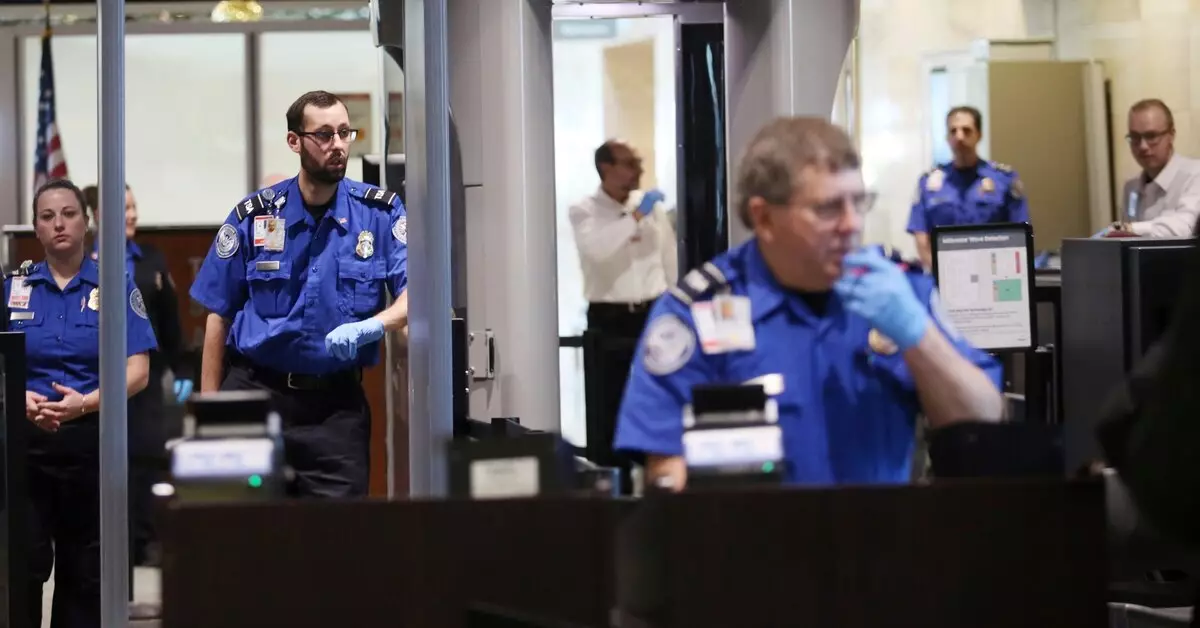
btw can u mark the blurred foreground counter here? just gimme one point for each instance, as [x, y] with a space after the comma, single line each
[953, 554]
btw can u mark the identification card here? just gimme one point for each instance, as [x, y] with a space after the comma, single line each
[274, 241]
[260, 230]
[18, 296]
[724, 324]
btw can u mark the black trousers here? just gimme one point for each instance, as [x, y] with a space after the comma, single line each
[147, 463]
[64, 495]
[617, 328]
[326, 429]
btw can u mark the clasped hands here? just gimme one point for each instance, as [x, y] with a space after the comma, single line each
[49, 415]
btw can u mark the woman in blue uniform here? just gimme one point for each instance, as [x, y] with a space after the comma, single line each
[56, 304]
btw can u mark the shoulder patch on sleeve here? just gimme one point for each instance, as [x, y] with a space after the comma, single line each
[1002, 167]
[227, 241]
[137, 304]
[378, 197]
[252, 205]
[668, 345]
[400, 230]
[1016, 188]
[699, 282]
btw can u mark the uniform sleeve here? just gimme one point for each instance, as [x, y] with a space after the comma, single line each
[220, 286]
[666, 365]
[916, 217]
[1016, 203]
[397, 250]
[139, 333]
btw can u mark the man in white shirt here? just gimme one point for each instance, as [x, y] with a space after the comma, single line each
[1164, 200]
[627, 251]
[626, 244]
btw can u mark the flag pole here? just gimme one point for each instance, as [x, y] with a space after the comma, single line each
[114, 462]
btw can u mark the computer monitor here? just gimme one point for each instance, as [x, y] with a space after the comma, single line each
[984, 275]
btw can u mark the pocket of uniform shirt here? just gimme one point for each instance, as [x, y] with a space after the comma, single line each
[359, 286]
[268, 284]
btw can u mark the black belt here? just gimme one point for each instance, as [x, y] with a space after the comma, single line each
[622, 308]
[296, 381]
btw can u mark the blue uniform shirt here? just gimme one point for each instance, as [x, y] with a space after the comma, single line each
[286, 279]
[988, 193]
[132, 254]
[847, 407]
[62, 327]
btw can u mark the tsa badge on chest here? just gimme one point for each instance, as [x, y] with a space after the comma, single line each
[934, 181]
[366, 245]
[94, 300]
[986, 186]
[880, 343]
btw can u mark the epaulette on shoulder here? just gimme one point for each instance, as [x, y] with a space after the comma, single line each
[1005, 168]
[23, 270]
[255, 203]
[698, 283]
[384, 199]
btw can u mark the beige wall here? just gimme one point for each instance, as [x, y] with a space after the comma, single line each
[1150, 49]
[895, 37]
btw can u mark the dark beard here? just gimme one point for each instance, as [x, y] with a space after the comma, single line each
[329, 175]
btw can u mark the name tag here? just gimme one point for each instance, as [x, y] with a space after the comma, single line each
[20, 316]
[266, 265]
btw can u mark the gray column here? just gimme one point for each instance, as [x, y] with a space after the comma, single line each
[427, 189]
[502, 92]
[114, 462]
[782, 58]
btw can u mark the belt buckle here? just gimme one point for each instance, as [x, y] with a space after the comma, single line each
[290, 383]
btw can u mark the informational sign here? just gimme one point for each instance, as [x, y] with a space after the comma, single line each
[984, 282]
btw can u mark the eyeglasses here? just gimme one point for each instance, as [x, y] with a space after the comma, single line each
[1151, 137]
[835, 208]
[325, 137]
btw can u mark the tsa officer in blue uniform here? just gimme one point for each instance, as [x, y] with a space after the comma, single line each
[295, 285]
[147, 429]
[56, 304]
[966, 191]
[853, 339]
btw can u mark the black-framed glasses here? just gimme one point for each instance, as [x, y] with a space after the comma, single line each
[1150, 137]
[347, 135]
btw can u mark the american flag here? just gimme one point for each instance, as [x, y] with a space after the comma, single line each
[49, 161]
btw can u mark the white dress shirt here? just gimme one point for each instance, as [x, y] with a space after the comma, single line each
[623, 260]
[1167, 206]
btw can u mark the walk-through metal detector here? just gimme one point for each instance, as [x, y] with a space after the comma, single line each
[739, 64]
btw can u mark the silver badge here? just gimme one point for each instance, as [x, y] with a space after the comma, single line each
[366, 244]
[227, 241]
[400, 230]
[137, 304]
[668, 345]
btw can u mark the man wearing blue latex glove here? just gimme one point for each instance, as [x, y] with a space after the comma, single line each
[853, 344]
[344, 341]
[295, 285]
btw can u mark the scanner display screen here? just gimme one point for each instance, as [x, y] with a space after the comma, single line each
[984, 285]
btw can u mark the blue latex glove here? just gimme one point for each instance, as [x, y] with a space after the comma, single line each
[344, 341]
[183, 389]
[873, 287]
[649, 200]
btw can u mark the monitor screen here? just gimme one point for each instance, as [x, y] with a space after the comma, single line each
[984, 283]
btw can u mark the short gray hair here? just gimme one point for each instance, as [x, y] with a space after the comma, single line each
[780, 150]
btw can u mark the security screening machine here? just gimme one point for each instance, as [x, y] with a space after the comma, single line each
[732, 436]
[232, 450]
